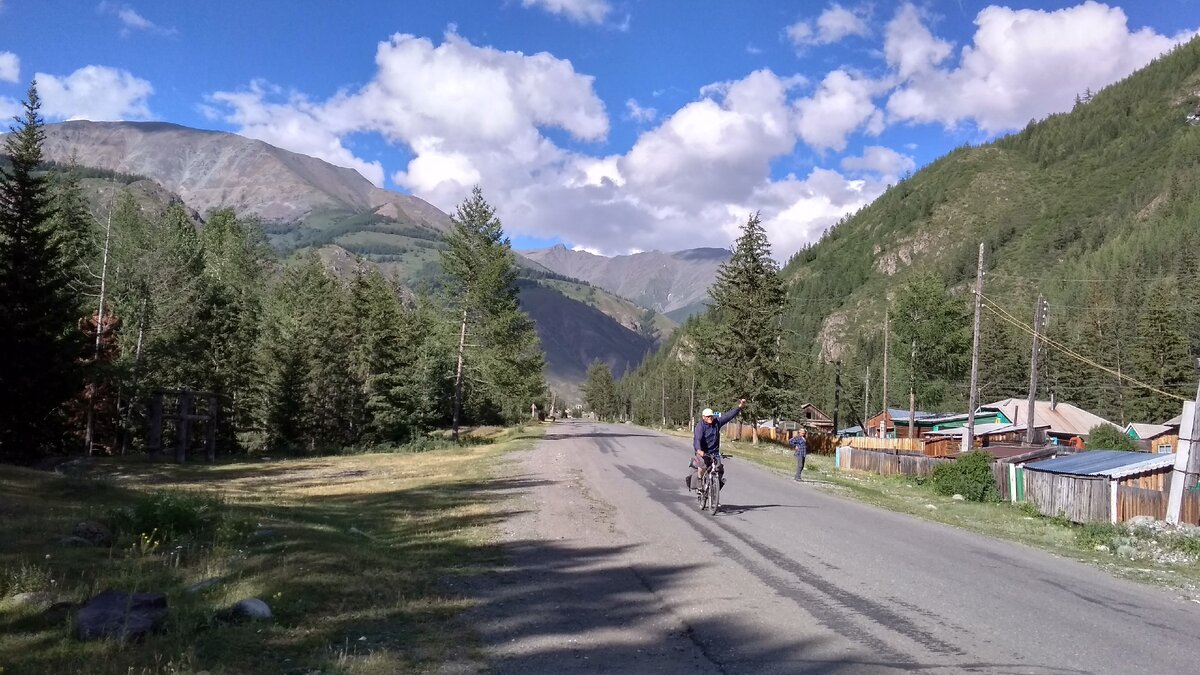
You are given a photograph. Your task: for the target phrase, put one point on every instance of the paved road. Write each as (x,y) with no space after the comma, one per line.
(620,573)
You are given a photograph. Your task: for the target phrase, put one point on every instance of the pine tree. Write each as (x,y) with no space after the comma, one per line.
(599,391)
(748,300)
(1160,357)
(40,343)
(385,334)
(498,356)
(931,340)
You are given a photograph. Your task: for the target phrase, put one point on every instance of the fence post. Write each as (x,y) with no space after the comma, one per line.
(1112,501)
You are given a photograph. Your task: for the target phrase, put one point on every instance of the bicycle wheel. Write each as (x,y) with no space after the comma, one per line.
(714,495)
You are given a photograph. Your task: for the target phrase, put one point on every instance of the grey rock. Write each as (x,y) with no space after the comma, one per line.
(931,507)
(204,585)
(94,532)
(32,599)
(1141,521)
(1126,551)
(1101,547)
(76,542)
(250,608)
(958,498)
(120,615)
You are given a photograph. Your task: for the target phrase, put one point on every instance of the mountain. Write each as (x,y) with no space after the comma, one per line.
(298,198)
(675,284)
(306,203)
(1095,209)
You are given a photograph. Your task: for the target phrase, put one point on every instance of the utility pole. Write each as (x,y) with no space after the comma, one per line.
(973,400)
(692,402)
(837,393)
(887,339)
(1187,459)
(664,400)
(912,391)
(866,394)
(1039,317)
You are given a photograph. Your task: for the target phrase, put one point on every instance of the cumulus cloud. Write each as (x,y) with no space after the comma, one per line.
(579,11)
(833,25)
(842,104)
(96,93)
(132,21)
(637,113)
(880,160)
(10,67)
(1021,64)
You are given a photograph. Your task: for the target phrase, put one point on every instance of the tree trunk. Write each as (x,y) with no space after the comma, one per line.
(458,377)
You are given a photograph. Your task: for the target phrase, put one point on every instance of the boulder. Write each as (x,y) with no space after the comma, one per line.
(94,532)
(120,615)
(34,599)
(250,608)
(958,498)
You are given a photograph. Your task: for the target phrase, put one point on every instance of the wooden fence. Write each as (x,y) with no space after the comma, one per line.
(818,443)
(1135,501)
(889,463)
(1077,498)
(893,444)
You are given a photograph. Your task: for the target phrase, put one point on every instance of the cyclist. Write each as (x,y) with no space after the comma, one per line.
(706,441)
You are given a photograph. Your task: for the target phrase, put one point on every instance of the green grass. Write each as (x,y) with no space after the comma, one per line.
(352,553)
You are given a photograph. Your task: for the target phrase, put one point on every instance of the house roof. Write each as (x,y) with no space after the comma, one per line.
(1059,418)
(980,429)
(1014,454)
(1107,463)
(901,414)
(849,431)
(1146,431)
(1174,421)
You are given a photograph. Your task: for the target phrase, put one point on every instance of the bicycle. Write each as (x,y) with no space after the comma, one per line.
(709,493)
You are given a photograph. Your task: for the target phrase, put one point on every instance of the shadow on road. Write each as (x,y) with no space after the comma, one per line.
(737,509)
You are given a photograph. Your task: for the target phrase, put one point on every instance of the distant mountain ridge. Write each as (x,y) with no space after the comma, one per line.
(214,169)
(675,284)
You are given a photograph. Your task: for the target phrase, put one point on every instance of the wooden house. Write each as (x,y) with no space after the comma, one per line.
(814,418)
(1103,486)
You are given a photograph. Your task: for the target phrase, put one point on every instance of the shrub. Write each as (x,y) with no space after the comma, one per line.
(969,475)
(24,578)
(1108,437)
(174,516)
(1090,535)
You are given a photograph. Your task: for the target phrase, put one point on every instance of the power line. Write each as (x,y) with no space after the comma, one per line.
(1003,314)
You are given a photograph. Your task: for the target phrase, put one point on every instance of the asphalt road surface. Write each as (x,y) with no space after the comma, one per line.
(612,568)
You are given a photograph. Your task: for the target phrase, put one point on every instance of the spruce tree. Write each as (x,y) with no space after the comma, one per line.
(40,344)
(499,357)
(1160,357)
(748,301)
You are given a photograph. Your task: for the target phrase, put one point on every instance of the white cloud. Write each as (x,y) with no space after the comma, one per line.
(833,25)
(886,162)
(97,93)
(132,21)
(841,105)
(579,11)
(1021,65)
(639,114)
(910,48)
(10,67)
(9,108)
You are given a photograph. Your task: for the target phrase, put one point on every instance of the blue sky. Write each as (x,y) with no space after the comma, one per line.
(611,125)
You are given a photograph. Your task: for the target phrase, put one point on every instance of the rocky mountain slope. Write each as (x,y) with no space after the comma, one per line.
(675,284)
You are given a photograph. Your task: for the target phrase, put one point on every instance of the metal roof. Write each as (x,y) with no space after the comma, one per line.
(1146,431)
(1061,418)
(980,429)
(901,414)
(1107,463)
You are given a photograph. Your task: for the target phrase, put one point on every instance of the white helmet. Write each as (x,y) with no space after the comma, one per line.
(707,412)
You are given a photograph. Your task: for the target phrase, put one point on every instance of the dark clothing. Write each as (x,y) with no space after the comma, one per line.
(707,437)
(800,448)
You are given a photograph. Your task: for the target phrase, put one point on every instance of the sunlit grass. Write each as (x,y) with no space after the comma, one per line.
(352,553)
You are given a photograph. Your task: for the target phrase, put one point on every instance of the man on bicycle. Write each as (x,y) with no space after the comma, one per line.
(706,441)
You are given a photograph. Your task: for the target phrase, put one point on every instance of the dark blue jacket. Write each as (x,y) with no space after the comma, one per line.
(800,445)
(707,437)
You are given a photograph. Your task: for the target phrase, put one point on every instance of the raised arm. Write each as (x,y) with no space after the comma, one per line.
(727,417)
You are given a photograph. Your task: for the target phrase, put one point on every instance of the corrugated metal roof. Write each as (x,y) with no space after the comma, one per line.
(1146,431)
(980,429)
(1174,421)
(1108,463)
(901,414)
(1061,418)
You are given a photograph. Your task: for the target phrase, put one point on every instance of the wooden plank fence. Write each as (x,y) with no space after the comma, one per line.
(1079,499)
(889,463)
(893,444)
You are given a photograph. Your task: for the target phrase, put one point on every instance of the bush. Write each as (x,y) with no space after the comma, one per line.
(1108,437)
(969,476)
(174,517)
(24,578)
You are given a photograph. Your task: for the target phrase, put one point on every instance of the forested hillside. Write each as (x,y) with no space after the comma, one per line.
(1097,210)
